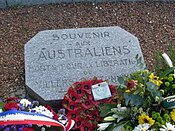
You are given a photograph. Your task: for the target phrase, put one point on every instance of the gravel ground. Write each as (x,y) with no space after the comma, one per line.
(152,22)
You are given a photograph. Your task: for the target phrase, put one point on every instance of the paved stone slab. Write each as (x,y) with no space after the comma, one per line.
(33,2)
(3,4)
(11,3)
(55,59)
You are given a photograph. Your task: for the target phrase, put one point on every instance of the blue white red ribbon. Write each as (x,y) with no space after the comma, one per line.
(21,117)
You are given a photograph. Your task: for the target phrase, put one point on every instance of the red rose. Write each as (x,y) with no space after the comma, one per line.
(27,129)
(132,85)
(11,105)
(12,99)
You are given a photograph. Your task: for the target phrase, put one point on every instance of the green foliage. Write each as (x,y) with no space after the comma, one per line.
(120,80)
(167,71)
(153,89)
(105,109)
(133,100)
(1,105)
(160,64)
(139,61)
(110,127)
(140,93)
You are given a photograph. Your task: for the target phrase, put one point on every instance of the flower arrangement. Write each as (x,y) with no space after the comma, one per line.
(81,106)
(146,102)
(24,115)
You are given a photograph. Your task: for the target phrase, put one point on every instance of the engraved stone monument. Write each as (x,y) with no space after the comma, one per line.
(55,59)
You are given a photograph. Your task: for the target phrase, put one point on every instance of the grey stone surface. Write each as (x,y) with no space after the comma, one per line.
(3,4)
(55,59)
(33,2)
(13,3)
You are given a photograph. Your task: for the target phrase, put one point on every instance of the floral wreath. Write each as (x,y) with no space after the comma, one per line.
(81,106)
(146,101)
(24,115)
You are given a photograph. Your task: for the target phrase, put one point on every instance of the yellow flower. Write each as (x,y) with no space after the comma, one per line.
(143,118)
(154,79)
(127,91)
(152,76)
(172,114)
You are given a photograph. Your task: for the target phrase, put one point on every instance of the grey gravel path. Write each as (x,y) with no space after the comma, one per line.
(152,22)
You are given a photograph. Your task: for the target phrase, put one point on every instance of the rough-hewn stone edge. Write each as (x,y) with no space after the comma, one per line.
(16,3)
(3,3)
(31,95)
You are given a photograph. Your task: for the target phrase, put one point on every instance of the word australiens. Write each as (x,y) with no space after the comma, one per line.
(45,54)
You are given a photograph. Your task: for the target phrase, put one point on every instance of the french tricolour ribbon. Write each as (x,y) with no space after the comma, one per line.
(21,117)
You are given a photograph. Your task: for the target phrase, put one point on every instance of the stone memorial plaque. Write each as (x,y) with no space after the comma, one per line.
(55,59)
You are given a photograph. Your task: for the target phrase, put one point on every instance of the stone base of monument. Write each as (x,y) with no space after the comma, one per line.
(31,95)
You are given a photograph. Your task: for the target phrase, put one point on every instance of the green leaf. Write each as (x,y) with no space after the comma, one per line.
(121,86)
(105,109)
(167,71)
(120,80)
(1,105)
(110,127)
(151,86)
(133,100)
(153,89)
(120,126)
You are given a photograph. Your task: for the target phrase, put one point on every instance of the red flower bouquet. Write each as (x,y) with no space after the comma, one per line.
(11,105)
(81,106)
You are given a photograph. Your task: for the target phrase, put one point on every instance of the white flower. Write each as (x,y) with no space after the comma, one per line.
(47,113)
(118,109)
(43,129)
(167,59)
(42,110)
(168,127)
(142,127)
(103,126)
(25,102)
(117,117)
